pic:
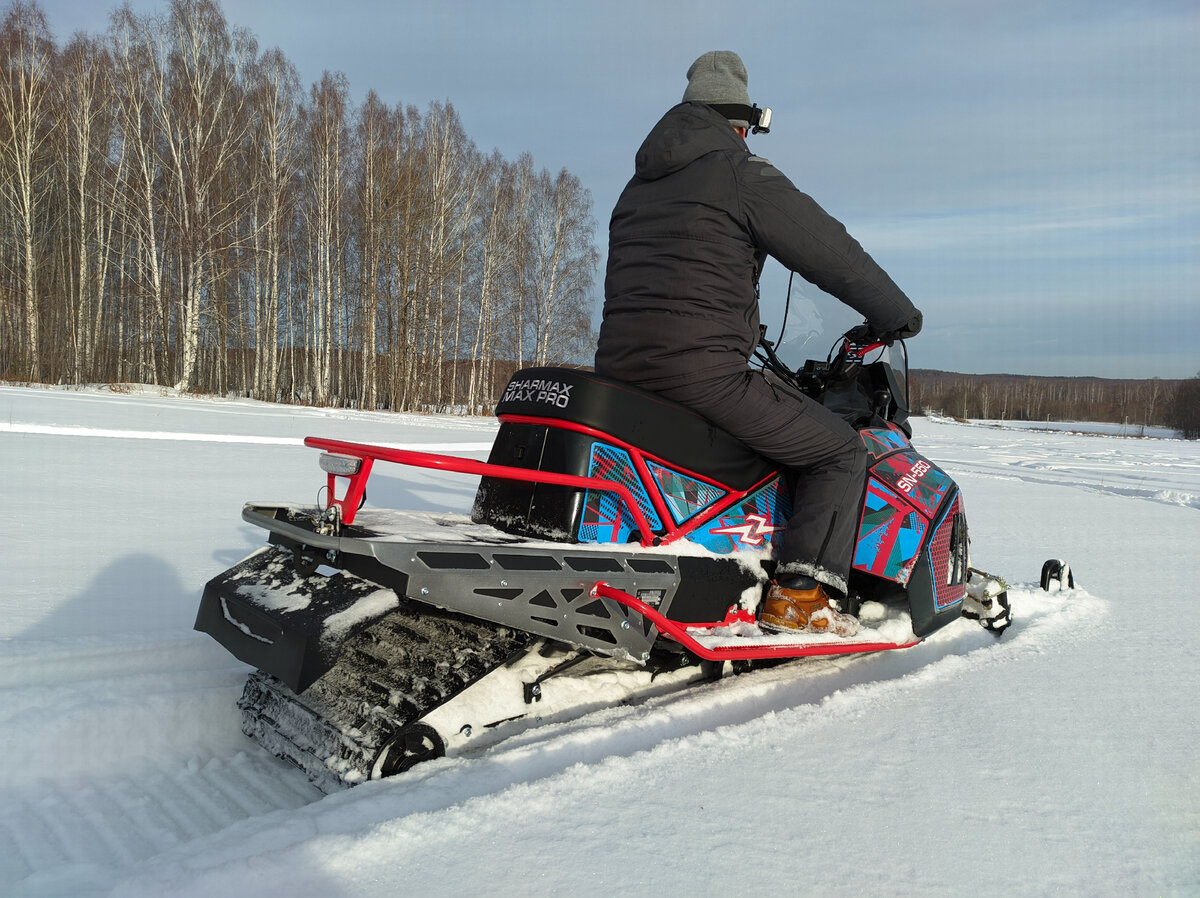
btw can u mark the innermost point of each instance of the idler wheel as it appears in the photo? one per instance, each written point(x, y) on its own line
point(410, 745)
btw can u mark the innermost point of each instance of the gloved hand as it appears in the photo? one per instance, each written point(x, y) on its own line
point(909, 330)
point(862, 335)
point(865, 333)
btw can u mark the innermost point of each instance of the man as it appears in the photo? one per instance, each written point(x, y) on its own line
point(687, 241)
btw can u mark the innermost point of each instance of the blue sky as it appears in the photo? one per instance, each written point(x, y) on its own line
point(1028, 172)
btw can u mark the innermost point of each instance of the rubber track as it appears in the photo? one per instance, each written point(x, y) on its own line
point(390, 675)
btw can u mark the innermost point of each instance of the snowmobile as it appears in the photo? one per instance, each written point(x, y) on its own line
point(618, 547)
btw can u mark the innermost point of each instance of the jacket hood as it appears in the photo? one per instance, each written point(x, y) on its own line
point(687, 132)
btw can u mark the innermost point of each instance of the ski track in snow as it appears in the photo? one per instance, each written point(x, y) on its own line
point(108, 433)
point(1075, 461)
point(107, 815)
point(66, 705)
point(131, 816)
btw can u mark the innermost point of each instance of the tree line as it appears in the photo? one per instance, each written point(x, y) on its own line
point(1184, 414)
point(176, 209)
point(1153, 402)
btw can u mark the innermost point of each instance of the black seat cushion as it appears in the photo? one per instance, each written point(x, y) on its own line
point(659, 427)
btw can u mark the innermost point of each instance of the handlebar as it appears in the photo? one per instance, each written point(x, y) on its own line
point(847, 354)
point(858, 390)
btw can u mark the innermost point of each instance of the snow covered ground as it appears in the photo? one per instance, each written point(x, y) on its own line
point(1058, 759)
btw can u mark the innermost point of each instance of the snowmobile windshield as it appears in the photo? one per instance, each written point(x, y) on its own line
point(808, 327)
point(896, 358)
point(804, 333)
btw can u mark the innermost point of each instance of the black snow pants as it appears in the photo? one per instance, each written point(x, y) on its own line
point(825, 452)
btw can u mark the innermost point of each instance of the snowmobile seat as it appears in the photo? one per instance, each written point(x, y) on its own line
point(652, 423)
point(536, 398)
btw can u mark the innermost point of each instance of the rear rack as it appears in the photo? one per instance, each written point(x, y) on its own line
point(348, 503)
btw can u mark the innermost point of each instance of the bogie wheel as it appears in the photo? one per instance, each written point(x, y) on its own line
point(411, 745)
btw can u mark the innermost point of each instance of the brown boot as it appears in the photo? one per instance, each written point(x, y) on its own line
point(804, 609)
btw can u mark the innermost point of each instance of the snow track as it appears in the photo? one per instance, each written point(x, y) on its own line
point(116, 753)
point(123, 769)
point(64, 706)
point(1153, 470)
point(132, 755)
point(132, 816)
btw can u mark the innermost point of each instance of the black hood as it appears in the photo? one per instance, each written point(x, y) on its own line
point(687, 132)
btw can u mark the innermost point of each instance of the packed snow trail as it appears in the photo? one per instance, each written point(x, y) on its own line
point(1057, 758)
point(118, 820)
point(188, 782)
point(117, 752)
point(1106, 466)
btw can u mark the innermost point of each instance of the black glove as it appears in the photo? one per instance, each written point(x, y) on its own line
point(909, 330)
point(862, 335)
point(865, 333)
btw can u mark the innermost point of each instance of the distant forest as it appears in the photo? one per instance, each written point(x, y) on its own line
point(1008, 397)
point(177, 209)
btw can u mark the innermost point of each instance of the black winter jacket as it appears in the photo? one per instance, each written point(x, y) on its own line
point(687, 240)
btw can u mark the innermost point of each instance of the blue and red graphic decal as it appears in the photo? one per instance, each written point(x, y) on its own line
point(890, 534)
point(605, 517)
point(881, 441)
point(685, 496)
point(916, 478)
point(757, 522)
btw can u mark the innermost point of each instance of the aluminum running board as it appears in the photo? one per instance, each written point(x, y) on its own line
point(741, 640)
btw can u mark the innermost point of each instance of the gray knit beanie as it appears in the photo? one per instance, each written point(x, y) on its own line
point(719, 78)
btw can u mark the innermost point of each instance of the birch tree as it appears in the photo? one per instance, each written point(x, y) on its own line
point(138, 66)
point(84, 100)
point(326, 137)
point(374, 193)
point(27, 55)
point(275, 164)
point(199, 100)
point(562, 263)
point(495, 232)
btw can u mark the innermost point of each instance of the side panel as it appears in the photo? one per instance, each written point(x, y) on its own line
point(754, 523)
point(605, 519)
point(890, 534)
point(913, 530)
point(881, 441)
point(939, 580)
point(686, 496)
point(922, 483)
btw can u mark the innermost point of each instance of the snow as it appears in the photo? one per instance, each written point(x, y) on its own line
point(370, 607)
point(1057, 759)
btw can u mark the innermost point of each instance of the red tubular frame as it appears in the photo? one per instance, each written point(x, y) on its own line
point(369, 454)
point(349, 503)
point(679, 632)
point(638, 456)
